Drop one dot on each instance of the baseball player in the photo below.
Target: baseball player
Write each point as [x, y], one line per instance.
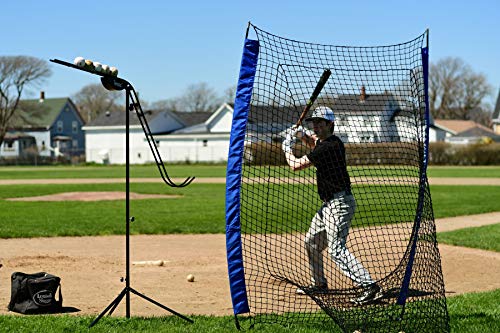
[330, 225]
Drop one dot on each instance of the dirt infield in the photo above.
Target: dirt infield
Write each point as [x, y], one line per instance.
[91, 268]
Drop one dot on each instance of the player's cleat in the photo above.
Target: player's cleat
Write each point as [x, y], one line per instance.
[312, 289]
[371, 293]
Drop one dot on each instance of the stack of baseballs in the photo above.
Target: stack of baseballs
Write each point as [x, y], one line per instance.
[95, 66]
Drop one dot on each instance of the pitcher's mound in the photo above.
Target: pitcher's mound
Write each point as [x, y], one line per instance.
[93, 196]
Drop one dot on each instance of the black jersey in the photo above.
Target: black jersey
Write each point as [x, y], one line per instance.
[331, 170]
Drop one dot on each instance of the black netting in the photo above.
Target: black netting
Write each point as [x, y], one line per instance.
[378, 97]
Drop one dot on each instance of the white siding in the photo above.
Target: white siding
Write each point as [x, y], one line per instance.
[223, 124]
[9, 152]
[42, 141]
[110, 143]
[193, 148]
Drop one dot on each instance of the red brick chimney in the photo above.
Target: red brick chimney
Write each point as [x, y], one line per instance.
[362, 95]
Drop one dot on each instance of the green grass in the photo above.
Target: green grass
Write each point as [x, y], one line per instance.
[469, 313]
[485, 237]
[464, 200]
[219, 170]
[111, 171]
[201, 208]
[475, 312]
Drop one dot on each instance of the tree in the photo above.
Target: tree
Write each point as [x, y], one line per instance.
[171, 104]
[457, 92]
[18, 73]
[93, 99]
[229, 95]
[196, 97]
[199, 97]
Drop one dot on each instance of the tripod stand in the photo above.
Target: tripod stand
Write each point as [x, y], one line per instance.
[132, 104]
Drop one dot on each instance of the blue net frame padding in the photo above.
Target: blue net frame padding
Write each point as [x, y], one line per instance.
[233, 177]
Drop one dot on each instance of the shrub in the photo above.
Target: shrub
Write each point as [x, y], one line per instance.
[442, 153]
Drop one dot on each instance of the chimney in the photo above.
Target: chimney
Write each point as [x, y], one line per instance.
[362, 95]
[42, 96]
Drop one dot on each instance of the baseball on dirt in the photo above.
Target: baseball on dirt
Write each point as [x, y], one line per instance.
[190, 278]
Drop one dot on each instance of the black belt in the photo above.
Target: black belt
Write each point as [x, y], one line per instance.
[347, 191]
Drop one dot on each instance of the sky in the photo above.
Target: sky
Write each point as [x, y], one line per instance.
[162, 47]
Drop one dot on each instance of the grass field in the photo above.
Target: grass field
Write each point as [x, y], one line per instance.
[470, 313]
[486, 237]
[211, 170]
[201, 209]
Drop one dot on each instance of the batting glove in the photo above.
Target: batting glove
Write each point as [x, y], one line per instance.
[289, 139]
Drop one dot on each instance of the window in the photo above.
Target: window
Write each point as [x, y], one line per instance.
[75, 143]
[205, 143]
[59, 126]
[74, 126]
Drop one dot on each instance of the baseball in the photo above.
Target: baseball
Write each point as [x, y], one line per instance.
[190, 278]
[89, 65]
[97, 67]
[113, 71]
[105, 69]
[79, 61]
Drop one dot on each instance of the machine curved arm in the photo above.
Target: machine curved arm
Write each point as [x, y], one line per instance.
[115, 83]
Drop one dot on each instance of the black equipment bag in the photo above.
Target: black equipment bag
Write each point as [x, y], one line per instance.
[35, 293]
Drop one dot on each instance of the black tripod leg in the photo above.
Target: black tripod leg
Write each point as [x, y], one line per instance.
[116, 303]
[111, 305]
[161, 305]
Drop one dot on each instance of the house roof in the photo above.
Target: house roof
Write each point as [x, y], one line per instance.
[193, 118]
[477, 132]
[351, 103]
[458, 126]
[496, 112]
[201, 121]
[33, 113]
[9, 136]
[118, 118]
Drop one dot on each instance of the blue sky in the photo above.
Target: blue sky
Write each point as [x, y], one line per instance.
[163, 46]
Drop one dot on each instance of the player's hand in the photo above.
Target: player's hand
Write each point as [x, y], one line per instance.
[289, 139]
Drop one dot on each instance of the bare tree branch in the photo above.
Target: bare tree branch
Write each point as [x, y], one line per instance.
[94, 99]
[457, 92]
[16, 74]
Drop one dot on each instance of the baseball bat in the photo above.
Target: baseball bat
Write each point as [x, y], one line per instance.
[319, 86]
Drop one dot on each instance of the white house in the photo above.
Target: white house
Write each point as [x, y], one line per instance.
[206, 141]
[360, 118]
[179, 137]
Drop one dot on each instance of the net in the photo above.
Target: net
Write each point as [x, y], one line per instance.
[308, 245]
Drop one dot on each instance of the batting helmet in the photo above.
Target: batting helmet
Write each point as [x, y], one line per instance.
[322, 112]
